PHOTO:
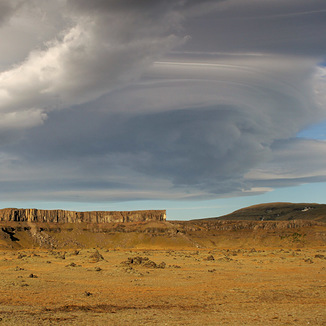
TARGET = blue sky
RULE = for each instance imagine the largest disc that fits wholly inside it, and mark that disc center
(199, 107)
(317, 131)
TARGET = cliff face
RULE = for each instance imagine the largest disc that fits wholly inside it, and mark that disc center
(62, 216)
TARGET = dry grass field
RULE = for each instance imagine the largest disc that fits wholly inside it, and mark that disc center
(253, 286)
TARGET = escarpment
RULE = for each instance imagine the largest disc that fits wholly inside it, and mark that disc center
(63, 216)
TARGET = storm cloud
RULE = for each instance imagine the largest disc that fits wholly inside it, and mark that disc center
(162, 99)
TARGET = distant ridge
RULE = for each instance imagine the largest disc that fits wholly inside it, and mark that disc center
(278, 212)
(277, 225)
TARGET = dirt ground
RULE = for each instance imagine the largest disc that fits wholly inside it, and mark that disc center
(154, 287)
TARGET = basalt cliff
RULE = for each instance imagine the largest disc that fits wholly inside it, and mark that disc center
(63, 216)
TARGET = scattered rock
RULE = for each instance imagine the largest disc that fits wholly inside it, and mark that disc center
(143, 261)
(34, 255)
(98, 269)
(308, 260)
(131, 270)
(87, 294)
(18, 268)
(95, 257)
(209, 258)
(139, 260)
(74, 253)
(150, 264)
(32, 276)
(320, 256)
(225, 259)
(71, 265)
(58, 254)
(20, 256)
(161, 265)
(135, 260)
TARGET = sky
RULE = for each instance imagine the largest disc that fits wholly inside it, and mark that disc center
(197, 107)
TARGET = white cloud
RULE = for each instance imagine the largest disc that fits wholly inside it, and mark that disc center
(85, 61)
(8, 9)
(319, 84)
(22, 119)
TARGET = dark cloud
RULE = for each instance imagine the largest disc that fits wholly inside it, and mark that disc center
(292, 27)
(142, 17)
(183, 145)
(6, 11)
(294, 161)
(89, 116)
(9, 8)
(101, 6)
(194, 151)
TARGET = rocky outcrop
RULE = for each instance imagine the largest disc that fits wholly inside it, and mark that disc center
(224, 225)
(62, 216)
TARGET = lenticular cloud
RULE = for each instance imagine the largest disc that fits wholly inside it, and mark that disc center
(159, 99)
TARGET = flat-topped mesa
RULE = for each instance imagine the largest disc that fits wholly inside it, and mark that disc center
(62, 216)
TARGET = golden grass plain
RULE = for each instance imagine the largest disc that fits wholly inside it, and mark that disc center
(252, 286)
